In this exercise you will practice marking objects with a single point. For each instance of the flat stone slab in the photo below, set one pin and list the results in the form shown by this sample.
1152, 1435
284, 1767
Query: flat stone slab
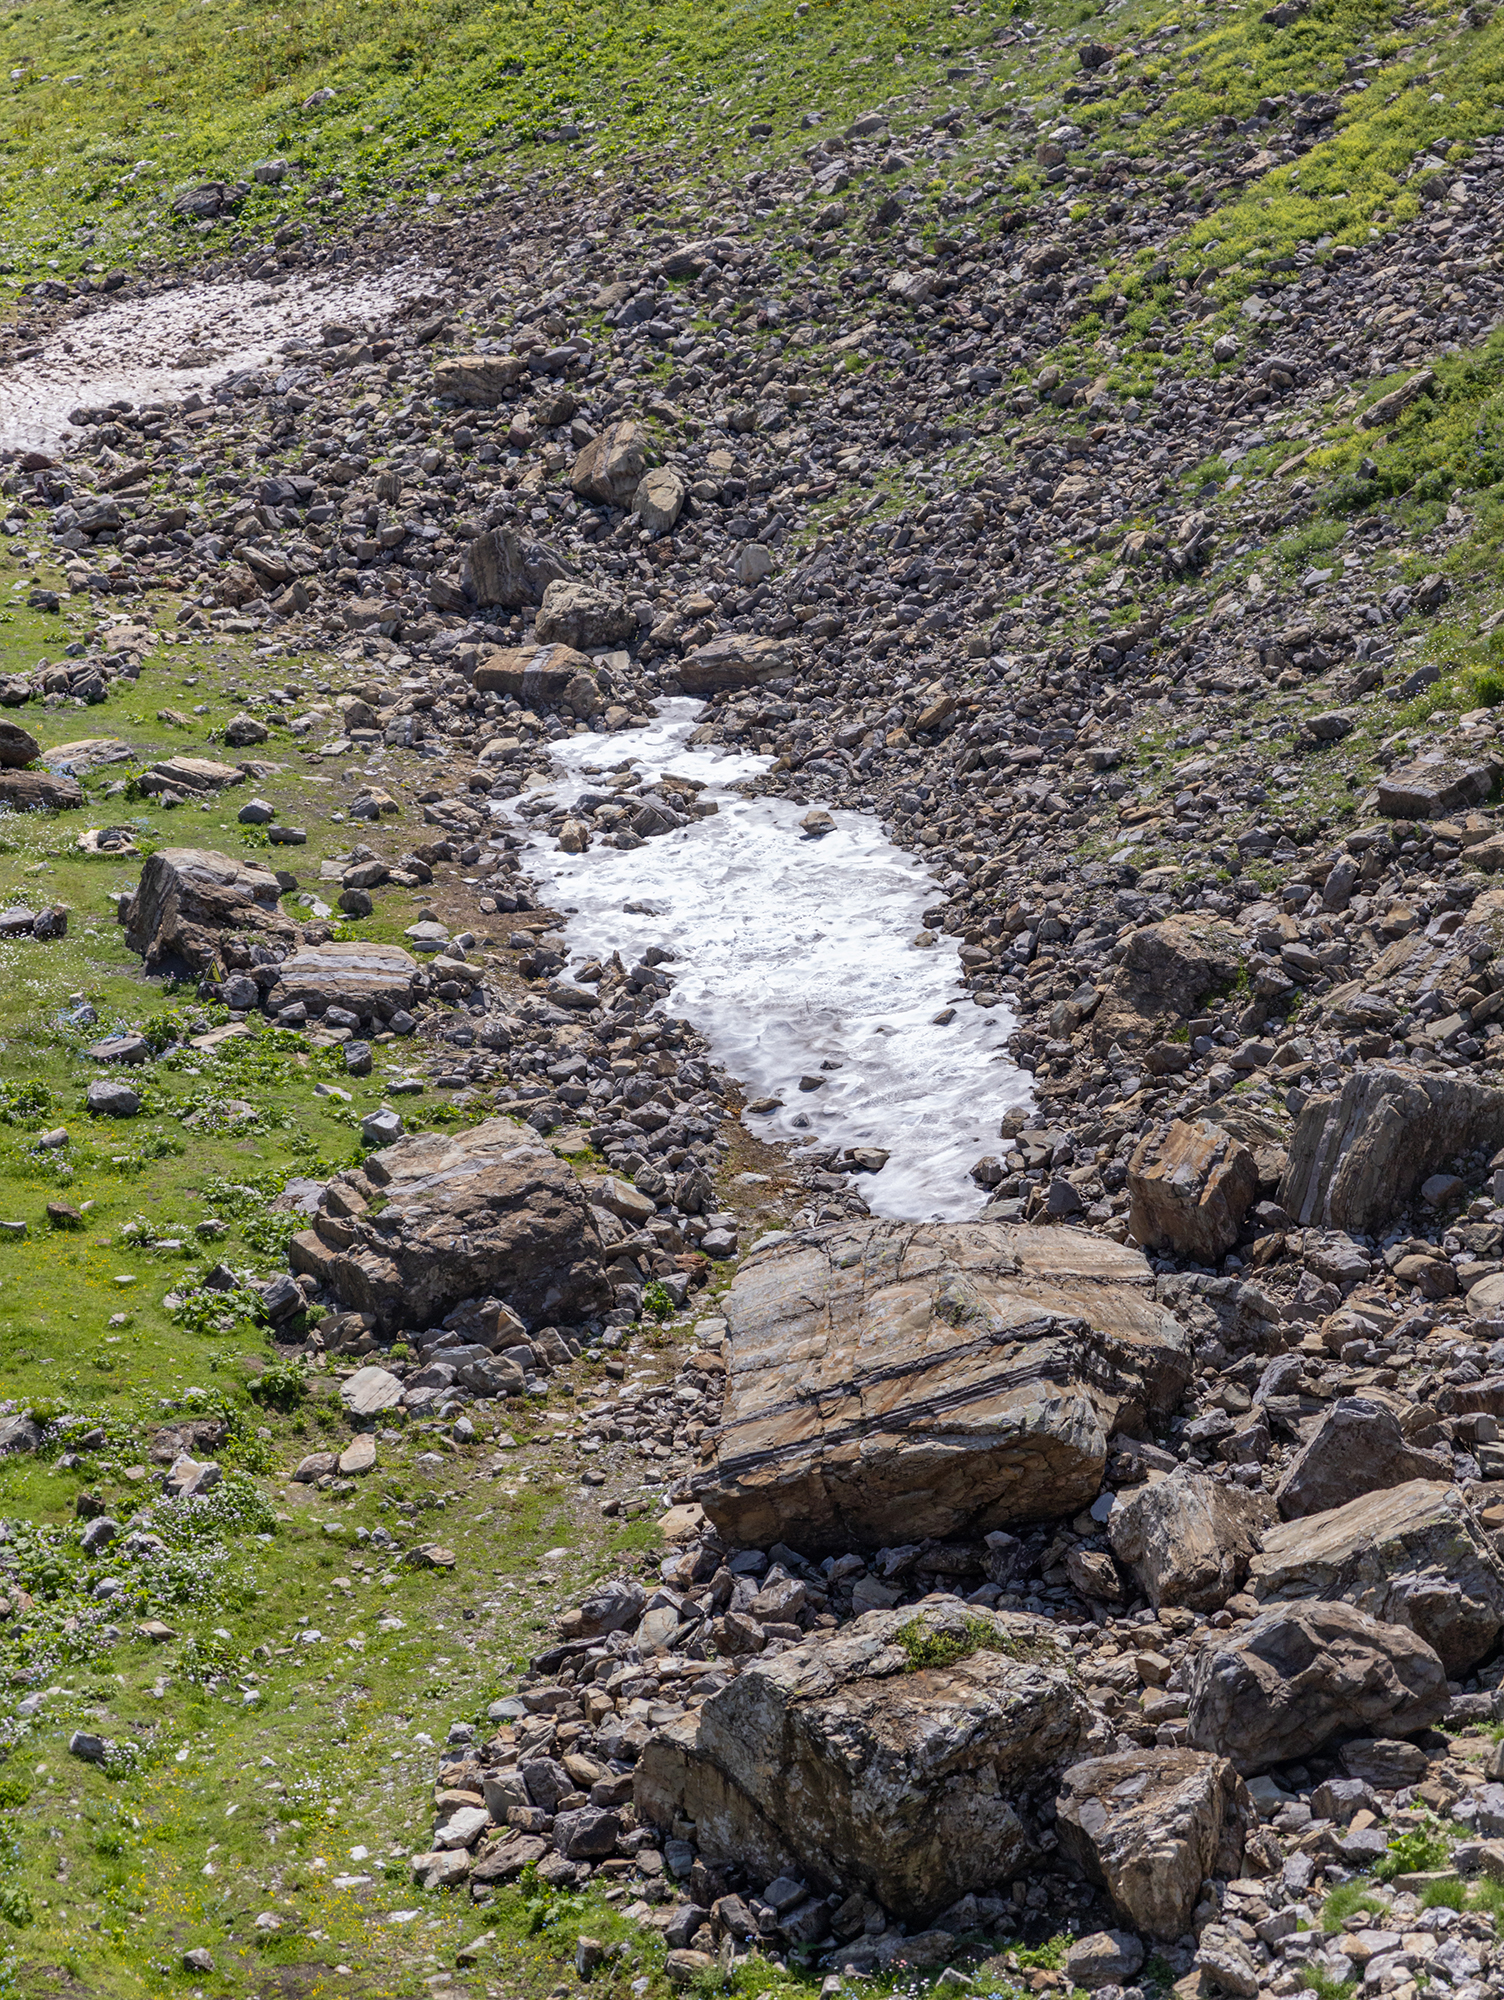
369, 1391
891, 1380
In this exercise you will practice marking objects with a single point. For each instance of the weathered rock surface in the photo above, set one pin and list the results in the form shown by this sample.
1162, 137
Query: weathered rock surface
188, 896
1306, 1675
894, 1380
506, 569
1190, 1190
733, 660
371, 980
1411, 1555
531, 674
838, 1762
579, 615
1357, 1157
1150, 1826
1358, 1447
39, 791
480, 380
465, 1215
611, 466
18, 747
1166, 970
1189, 1539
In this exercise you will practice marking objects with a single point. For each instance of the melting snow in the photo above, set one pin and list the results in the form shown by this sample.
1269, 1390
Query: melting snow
791, 952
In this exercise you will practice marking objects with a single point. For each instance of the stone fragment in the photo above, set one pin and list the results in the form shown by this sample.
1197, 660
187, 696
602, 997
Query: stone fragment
1150, 1826
480, 380
363, 979
1305, 1675
1434, 787
1188, 1539
1166, 969
107, 1099
502, 568
1411, 1555
1357, 1157
39, 791
583, 617
188, 896
659, 499
367, 1393
1190, 1190
836, 1763
1103, 1958
537, 676
889, 1381
733, 660
1358, 1447
18, 747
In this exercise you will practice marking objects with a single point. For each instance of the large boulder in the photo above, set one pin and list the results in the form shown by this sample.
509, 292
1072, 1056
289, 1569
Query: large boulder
842, 1762
1188, 1539
480, 380
1356, 1158
465, 1215
1411, 1555
188, 896
371, 980
1150, 1826
659, 499
579, 615
39, 791
18, 747
1357, 1447
501, 568
1307, 1675
1190, 1188
1167, 970
733, 660
610, 467
537, 676
893, 1380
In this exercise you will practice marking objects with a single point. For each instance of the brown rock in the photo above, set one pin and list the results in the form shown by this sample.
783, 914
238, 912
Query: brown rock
1358, 1157
18, 747
533, 675
39, 791
466, 1215
1167, 969
579, 615
501, 568
188, 897
610, 467
1189, 1539
1306, 1675
368, 979
1190, 1190
1150, 1826
1411, 1555
480, 380
733, 660
1358, 1447
890, 1380
838, 1762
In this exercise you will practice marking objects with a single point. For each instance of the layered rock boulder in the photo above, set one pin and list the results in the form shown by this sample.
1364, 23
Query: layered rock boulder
462, 1215
1411, 1555
371, 980
188, 897
1190, 1189
1357, 1157
502, 568
539, 676
733, 660
579, 615
1150, 1826
1189, 1539
846, 1762
1304, 1676
610, 468
890, 1381
1357, 1447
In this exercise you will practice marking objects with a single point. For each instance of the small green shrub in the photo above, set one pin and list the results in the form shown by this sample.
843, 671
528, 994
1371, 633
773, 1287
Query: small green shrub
1417, 1852
281, 1386
656, 1300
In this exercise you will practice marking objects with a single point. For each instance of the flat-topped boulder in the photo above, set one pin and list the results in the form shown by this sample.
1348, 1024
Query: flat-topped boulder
463, 1215
190, 774
367, 979
39, 790
188, 896
895, 1380
733, 660
846, 1761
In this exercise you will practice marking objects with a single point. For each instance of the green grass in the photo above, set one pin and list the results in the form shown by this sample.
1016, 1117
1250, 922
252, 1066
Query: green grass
1345, 1900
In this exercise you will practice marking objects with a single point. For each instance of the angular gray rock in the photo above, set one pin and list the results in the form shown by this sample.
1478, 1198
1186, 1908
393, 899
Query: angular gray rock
502, 568
1303, 1676
1166, 970
581, 616
609, 469
1411, 1555
1188, 1538
837, 1762
1357, 1157
733, 660
466, 1215
1358, 1447
889, 1381
1150, 1826
371, 980
188, 896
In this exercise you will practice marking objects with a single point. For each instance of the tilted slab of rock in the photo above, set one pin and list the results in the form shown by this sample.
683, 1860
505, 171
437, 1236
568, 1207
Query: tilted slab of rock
466, 1215
1188, 1539
39, 791
838, 1762
479, 380
1358, 1447
503, 568
1357, 1158
537, 675
187, 895
733, 660
1166, 970
1302, 1676
1150, 1826
893, 1380
1411, 1555
365, 978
